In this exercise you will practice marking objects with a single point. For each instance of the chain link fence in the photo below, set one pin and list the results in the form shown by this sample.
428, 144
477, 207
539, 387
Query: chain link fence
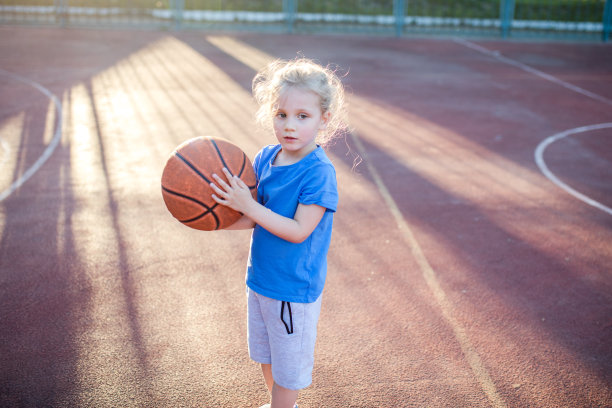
576, 19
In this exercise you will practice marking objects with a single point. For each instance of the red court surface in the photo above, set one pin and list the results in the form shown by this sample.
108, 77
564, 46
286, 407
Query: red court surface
459, 274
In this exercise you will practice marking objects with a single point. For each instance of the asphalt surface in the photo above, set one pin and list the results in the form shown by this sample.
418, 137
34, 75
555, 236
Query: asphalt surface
459, 275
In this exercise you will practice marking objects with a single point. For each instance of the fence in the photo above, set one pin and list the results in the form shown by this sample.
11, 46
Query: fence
587, 19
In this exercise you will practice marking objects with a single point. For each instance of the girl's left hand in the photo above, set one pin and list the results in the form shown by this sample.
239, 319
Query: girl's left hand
236, 195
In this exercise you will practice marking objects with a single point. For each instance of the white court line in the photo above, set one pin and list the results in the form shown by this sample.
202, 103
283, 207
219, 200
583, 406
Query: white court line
430, 276
52, 145
540, 149
7, 150
539, 158
527, 68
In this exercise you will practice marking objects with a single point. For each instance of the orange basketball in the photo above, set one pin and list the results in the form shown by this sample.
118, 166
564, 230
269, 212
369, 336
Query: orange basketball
186, 177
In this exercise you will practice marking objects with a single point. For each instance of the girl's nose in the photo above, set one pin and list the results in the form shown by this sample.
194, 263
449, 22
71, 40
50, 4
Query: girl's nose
290, 124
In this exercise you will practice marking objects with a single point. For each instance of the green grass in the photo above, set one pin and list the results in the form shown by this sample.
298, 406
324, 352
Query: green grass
559, 10
554, 10
242, 5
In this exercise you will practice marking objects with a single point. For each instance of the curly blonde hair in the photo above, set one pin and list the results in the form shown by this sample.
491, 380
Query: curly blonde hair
304, 73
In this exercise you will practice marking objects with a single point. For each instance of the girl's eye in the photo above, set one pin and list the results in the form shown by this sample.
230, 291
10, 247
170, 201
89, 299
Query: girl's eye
302, 116
281, 115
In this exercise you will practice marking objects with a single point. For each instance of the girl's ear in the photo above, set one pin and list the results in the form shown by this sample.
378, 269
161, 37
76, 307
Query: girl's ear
324, 120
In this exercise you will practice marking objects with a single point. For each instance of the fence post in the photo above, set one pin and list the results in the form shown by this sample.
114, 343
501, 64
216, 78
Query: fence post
177, 11
506, 14
607, 21
289, 10
399, 8
61, 12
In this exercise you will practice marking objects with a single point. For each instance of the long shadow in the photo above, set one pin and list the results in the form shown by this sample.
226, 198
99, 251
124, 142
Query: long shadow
535, 288
44, 297
498, 106
185, 81
45, 291
45, 300
234, 118
128, 285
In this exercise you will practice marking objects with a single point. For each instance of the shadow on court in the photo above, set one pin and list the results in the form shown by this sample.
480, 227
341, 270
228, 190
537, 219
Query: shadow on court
108, 301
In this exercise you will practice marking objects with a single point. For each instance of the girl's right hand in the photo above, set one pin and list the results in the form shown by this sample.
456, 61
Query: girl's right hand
234, 194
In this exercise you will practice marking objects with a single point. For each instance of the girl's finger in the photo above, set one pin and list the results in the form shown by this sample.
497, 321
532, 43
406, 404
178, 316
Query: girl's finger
219, 191
239, 182
231, 178
217, 199
221, 182
215, 188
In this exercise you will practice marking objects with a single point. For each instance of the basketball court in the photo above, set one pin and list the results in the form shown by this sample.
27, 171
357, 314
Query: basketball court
471, 258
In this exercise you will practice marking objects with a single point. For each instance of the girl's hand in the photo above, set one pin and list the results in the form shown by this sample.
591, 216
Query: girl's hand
235, 194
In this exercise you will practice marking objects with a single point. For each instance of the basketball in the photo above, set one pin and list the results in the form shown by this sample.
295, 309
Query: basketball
188, 173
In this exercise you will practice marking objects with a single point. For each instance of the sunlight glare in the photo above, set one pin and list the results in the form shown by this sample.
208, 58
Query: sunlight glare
11, 131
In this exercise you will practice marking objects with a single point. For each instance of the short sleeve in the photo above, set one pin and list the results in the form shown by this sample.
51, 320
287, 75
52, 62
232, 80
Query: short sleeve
320, 187
256, 162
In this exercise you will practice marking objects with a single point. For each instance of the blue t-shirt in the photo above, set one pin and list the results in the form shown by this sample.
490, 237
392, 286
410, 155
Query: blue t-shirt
278, 268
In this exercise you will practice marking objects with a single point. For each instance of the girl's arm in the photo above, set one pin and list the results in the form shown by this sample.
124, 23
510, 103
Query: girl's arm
237, 196
243, 223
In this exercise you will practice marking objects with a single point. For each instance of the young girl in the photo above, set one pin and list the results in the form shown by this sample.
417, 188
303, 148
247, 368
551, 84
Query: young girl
292, 220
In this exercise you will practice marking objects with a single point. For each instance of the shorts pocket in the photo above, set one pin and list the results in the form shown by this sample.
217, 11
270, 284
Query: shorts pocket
286, 316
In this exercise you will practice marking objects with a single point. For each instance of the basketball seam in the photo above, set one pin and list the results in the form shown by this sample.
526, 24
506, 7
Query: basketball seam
191, 166
244, 162
220, 155
243, 165
209, 210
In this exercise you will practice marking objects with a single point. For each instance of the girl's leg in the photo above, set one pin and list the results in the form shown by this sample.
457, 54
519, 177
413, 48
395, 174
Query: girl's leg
267, 373
281, 397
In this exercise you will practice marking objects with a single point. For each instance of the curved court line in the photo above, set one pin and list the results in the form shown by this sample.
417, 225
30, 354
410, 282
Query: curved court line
539, 158
537, 72
52, 145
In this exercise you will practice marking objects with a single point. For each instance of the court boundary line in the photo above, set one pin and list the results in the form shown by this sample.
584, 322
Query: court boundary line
539, 151
50, 147
473, 358
497, 55
539, 158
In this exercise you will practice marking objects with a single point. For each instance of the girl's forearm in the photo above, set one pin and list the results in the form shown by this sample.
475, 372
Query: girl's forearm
243, 223
237, 196
283, 227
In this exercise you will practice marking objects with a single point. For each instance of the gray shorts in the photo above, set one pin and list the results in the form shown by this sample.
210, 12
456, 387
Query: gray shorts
283, 334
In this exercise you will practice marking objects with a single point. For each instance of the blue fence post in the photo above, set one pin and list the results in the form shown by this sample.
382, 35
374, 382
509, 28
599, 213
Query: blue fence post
289, 10
61, 11
506, 15
177, 11
607, 21
399, 9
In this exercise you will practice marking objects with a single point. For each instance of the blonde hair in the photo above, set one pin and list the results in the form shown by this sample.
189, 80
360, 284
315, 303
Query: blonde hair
304, 73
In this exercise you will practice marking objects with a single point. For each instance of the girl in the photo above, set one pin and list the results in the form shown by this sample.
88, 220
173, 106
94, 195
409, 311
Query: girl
292, 220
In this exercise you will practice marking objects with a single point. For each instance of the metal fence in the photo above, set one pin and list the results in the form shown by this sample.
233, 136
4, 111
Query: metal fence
587, 19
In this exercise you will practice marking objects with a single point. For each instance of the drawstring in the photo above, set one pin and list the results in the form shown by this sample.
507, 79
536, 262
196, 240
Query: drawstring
289, 329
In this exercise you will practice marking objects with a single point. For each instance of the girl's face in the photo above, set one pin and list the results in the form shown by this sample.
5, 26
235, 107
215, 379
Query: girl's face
297, 122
